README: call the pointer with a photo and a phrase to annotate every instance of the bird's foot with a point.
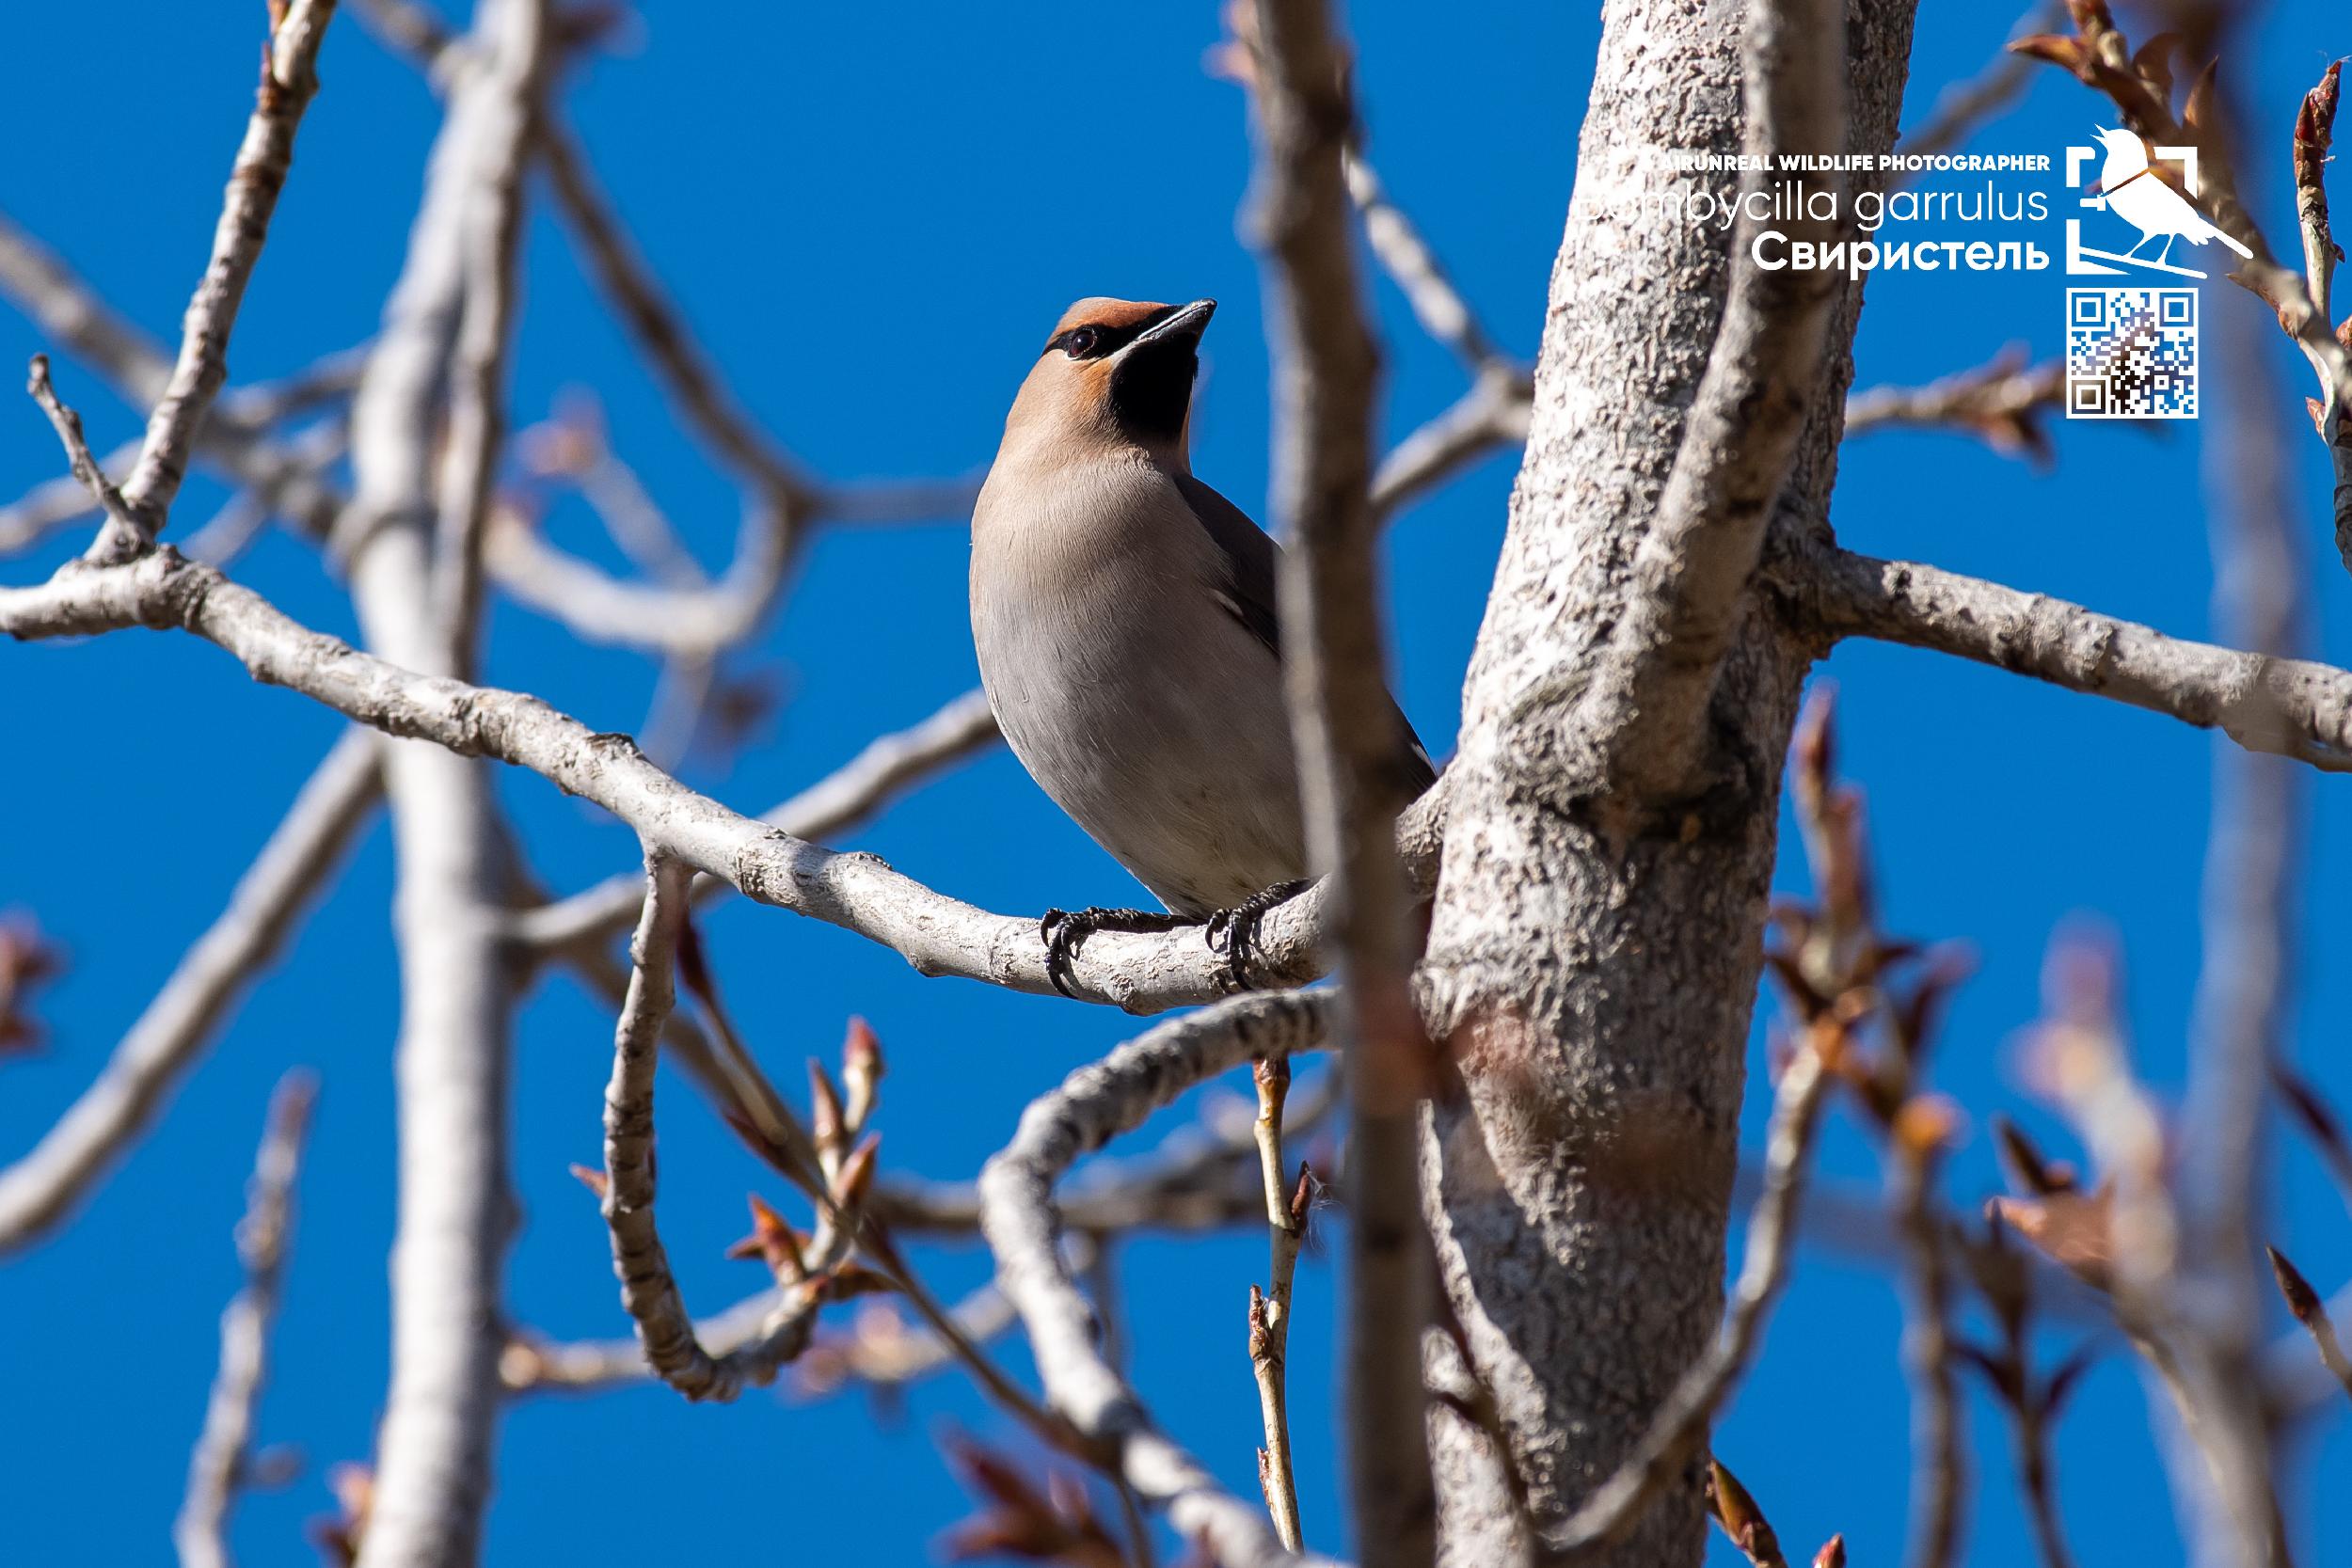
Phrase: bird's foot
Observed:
(1235, 932)
(1062, 930)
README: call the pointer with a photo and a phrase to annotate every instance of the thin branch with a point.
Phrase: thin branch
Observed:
(1406, 257)
(455, 873)
(2293, 707)
(784, 497)
(1648, 707)
(878, 1351)
(1200, 1177)
(1939, 1459)
(648, 1291)
(1680, 1424)
(2003, 403)
(1351, 786)
(68, 424)
(1141, 972)
(1490, 416)
(491, 242)
(224, 1453)
(38, 1191)
(885, 768)
(2005, 1275)
(410, 28)
(233, 434)
(66, 313)
(293, 483)
(681, 620)
(289, 81)
(1270, 1308)
(1965, 108)
(1093, 1105)
(2239, 1016)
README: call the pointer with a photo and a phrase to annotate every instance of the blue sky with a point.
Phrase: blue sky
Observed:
(873, 213)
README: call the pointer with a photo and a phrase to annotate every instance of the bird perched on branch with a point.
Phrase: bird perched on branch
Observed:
(2129, 187)
(1125, 616)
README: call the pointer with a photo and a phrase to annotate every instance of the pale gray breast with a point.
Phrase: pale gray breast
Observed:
(1134, 697)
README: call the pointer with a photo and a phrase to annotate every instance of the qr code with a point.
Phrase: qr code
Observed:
(2131, 353)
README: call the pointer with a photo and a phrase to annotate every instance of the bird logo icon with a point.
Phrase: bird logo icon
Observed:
(2130, 187)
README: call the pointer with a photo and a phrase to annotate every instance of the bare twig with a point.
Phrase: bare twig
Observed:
(1093, 1105)
(233, 433)
(1841, 971)
(1490, 416)
(490, 242)
(647, 1289)
(38, 1190)
(2004, 1276)
(1406, 257)
(1939, 1461)
(681, 620)
(1341, 714)
(2243, 998)
(67, 426)
(2318, 1121)
(407, 27)
(1270, 1308)
(2127, 1238)
(224, 1453)
(289, 80)
(2003, 402)
(1962, 109)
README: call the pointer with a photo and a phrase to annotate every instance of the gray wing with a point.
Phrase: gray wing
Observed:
(1251, 560)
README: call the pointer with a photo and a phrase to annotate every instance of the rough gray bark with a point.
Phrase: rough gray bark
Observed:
(1594, 988)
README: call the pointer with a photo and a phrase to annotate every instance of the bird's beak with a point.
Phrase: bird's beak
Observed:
(1189, 322)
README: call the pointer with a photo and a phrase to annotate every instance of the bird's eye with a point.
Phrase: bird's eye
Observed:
(1084, 341)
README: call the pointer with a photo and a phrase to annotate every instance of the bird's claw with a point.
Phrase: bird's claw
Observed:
(1233, 933)
(1063, 930)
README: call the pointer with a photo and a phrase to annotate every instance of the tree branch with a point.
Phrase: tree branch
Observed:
(224, 1452)
(672, 1347)
(289, 81)
(234, 432)
(1491, 415)
(2291, 707)
(1351, 783)
(490, 244)
(454, 865)
(2003, 403)
(1140, 973)
(1093, 1105)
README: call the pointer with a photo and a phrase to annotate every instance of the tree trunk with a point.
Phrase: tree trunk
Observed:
(1593, 984)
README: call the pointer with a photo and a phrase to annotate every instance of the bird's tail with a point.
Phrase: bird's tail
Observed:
(2243, 254)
